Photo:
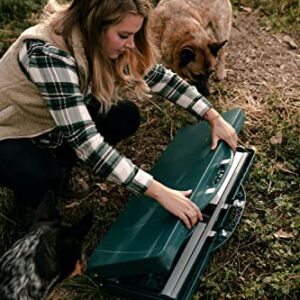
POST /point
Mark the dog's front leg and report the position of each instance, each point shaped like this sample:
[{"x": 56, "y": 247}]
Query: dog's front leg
[
  {"x": 220, "y": 67},
  {"x": 221, "y": 26}
]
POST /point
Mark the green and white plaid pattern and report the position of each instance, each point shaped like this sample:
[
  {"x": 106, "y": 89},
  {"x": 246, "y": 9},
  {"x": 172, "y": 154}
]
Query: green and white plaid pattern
[
  {"x": 54, "y": 73},
  {"x": 170, "y": 86}
]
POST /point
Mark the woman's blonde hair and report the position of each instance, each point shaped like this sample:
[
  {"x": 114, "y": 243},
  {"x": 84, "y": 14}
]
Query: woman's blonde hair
[{"x": 109, "y": 78}]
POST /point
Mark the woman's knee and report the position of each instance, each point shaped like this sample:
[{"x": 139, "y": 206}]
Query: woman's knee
[
  {"x": 28, "y": 170},
  {"x": 35, "y": 185}
]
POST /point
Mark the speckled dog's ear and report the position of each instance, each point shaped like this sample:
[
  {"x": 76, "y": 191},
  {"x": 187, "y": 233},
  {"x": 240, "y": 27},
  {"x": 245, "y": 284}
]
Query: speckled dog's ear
[
  {"x": 47, "y": 210},
  {"x": 69, "y": 245}
]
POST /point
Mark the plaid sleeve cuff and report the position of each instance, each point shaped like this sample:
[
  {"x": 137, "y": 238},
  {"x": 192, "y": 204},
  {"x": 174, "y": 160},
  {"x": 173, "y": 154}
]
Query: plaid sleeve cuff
[
  {"x": 192, "y": 101},
  {"x": 200, "y": 107},
  {"x": 124, "y": 172},
  {"x": 140, "y": 182}
]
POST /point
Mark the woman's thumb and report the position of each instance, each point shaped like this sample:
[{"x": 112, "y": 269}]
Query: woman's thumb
[
  {"x": 214, "y": 143},
  {"x": 187, "y": 193}
]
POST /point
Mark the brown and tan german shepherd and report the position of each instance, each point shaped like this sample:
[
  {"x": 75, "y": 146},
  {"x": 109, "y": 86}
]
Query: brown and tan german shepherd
[{"x": 191, "y": 36}]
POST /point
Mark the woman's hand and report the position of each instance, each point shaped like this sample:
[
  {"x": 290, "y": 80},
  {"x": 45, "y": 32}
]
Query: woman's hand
[
  {"x": 221, "y": 130},
  {"x": 176, "y": 202}
]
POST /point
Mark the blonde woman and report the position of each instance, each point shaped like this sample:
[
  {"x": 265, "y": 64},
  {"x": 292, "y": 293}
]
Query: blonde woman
[{"x": 61, "y": 86}]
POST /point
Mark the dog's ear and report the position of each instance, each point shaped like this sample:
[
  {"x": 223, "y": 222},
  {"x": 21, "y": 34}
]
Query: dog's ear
[
  {"x": 47, "y": 210},
  {"x": 186, "y": 55},
  {"x": 215, "y": 47}
]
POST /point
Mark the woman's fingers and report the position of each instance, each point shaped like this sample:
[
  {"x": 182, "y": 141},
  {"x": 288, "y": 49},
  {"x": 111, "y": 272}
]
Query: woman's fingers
[
  {"x": 186, "y": 221},
  {"x": 232, "y": 142},
  {"x": 224, "y": 131},
  {"x": 192, "y": 214},
  {"x": 198, "y": 212},
  {"x": 176, "y": 202}
]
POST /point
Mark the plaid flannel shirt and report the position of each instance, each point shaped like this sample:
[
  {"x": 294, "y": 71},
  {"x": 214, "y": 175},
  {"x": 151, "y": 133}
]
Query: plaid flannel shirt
[{"x": 54, "y": 73}]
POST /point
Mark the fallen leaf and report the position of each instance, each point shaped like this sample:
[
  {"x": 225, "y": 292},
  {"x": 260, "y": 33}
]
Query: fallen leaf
[
  {"x": 246, "y": 9},
  {"x": 285, "y": 168},
  {"x": 276, "y": 139},
  {"x": 104, "y": 199},
  {"x": 103, "y": 186},
  {"x": 106, "y": 187},
  {"x": 72, "y": 205},
  {"x": 283, "y": 234}
]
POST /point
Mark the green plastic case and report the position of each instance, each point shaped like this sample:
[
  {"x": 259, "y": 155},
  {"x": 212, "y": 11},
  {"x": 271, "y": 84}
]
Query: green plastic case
[{"x": 146, "y": 238}]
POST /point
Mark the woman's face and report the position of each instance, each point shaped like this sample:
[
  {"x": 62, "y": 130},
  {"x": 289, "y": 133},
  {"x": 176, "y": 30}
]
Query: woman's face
[{"x": 120, "y": 37}]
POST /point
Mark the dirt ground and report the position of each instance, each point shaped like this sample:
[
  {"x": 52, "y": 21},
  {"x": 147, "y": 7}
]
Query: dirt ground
[{"x": 260, "y": 62}]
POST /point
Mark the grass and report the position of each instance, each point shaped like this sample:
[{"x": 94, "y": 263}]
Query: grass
[
  {"x": 279, "y": 15},
  {"x": 261, "y": 260}
]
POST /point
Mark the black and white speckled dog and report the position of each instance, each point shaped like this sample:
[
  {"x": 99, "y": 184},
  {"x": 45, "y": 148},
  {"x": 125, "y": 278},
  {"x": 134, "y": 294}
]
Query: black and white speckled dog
[{"x": 44, "y": 257}]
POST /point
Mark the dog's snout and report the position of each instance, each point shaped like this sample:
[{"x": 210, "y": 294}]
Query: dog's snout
[
  {"x": 201, "y": 83},
  {"x": 203, "y": 91}
]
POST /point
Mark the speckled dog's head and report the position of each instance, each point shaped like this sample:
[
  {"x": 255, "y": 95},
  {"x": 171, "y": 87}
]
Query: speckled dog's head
[
  {"x": 191, "y": 37},
  {"x": 45, "y": 256}
]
